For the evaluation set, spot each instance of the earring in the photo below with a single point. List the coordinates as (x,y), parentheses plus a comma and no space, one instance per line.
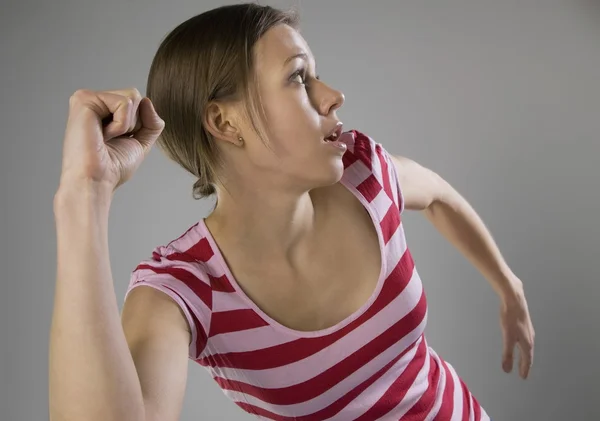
(240,140)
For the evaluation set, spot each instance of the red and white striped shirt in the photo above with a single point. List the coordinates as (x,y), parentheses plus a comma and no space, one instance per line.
(374,365)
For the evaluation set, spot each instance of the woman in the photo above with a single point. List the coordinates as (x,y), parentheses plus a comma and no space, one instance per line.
(297,293)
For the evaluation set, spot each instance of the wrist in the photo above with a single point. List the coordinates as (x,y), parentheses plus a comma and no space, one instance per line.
(76,197)
(511,290)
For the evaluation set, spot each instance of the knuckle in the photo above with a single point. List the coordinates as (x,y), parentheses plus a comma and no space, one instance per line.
(126,106)
(136,93)
(82,92)
(129,105)
(131,93)
(78,96)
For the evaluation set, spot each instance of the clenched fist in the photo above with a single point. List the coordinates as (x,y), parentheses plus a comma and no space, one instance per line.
(108,135)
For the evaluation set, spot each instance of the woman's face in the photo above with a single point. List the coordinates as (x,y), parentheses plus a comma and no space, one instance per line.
(300,113)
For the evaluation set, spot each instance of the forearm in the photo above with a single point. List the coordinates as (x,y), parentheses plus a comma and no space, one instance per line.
(92,374)
(458,222)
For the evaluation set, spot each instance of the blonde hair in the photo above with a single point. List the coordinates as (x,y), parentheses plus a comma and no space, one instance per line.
(208,58)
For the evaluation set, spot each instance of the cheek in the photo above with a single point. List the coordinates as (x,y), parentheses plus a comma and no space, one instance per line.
(291,116)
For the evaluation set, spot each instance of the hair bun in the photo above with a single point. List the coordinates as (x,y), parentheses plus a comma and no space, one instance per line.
(203,189)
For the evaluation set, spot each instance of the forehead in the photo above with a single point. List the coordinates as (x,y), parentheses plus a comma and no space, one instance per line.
(277,44)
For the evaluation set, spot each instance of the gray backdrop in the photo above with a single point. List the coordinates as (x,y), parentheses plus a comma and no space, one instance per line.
(500,97)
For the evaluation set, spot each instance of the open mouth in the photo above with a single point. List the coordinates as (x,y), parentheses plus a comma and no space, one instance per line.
(335,135)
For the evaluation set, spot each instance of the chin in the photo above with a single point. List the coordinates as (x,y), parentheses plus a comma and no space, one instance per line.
(319,172)
(332,173)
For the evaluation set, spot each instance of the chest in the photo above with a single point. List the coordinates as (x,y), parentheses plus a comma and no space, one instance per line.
(329,283)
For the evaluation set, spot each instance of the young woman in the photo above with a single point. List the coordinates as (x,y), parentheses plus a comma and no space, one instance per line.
(297,293)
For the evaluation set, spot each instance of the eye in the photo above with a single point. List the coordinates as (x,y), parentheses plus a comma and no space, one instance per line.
(299,76)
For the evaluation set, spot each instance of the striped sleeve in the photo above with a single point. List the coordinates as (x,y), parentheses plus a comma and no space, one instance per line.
(379,161)
(391,173)
(183,279)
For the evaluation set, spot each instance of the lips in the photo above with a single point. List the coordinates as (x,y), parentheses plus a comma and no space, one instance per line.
(335,133)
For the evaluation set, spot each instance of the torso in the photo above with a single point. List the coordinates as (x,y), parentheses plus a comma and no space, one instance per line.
(333,281)
(331,340)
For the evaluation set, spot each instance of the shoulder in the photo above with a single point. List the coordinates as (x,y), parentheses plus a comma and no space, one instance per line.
(370,168)
(361,145)
(367,151)
(363,149)
(185,257)
(182,270)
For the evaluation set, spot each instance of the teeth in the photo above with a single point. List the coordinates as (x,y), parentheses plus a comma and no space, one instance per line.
(332,137)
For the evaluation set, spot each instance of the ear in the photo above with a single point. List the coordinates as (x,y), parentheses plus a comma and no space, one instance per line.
(221,121)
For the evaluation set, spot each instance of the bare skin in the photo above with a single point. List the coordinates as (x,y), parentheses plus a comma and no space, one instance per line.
(101,367)
(323,280)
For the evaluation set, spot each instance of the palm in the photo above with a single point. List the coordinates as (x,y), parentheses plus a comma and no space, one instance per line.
(124,155)
(112,160)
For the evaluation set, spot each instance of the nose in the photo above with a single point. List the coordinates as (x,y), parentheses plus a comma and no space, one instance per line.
(332,100)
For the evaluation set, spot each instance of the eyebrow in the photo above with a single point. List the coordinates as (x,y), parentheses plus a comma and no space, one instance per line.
(295,56)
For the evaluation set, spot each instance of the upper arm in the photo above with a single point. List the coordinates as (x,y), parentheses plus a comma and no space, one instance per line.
(158,336)
(420,185)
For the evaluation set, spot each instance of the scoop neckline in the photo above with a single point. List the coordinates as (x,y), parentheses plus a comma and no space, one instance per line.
(312,333)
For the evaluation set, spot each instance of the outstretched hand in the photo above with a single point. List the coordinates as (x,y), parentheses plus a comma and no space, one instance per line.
(517,331)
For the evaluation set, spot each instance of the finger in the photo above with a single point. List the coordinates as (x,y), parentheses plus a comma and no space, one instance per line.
(135,121)
(136,97)
(152,124)
(116,112)
(526,360)
(128,92)
(507,354)
(85,108)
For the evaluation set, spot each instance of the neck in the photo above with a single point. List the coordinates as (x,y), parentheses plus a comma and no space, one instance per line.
(263,222)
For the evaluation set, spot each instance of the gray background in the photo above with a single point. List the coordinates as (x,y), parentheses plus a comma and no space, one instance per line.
(500,97)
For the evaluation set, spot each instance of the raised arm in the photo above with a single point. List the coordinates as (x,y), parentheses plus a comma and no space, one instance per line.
(101,367)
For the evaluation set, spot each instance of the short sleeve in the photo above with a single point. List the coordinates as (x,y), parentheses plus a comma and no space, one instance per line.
(373,160)
(390,171)
(183,279)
